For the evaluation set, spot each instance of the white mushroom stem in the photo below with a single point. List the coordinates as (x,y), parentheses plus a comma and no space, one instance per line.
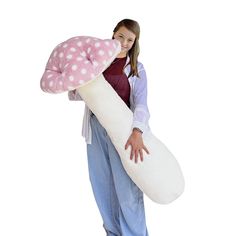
(159,175)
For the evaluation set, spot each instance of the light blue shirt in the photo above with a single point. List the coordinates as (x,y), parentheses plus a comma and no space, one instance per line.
(138,103)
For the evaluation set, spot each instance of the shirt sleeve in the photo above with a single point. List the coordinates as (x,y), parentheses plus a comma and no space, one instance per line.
(141,111)
(74,96)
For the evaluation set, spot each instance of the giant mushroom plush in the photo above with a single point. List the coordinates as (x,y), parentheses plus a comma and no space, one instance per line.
(78,63)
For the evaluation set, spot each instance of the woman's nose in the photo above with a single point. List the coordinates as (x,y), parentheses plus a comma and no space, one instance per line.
(124,43)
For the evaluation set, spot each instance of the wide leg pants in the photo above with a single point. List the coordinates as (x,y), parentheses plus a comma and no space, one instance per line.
(119,200)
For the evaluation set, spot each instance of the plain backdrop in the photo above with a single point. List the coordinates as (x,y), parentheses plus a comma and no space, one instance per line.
(188,50)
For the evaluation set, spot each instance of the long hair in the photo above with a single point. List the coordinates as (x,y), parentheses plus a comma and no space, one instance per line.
(133,53)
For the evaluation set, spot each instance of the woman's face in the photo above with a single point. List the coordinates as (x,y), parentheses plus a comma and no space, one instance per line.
(126,38)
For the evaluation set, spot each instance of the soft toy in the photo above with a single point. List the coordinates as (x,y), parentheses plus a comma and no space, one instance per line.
(79,63)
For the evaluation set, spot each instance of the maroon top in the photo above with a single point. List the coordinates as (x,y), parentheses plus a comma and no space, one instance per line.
(118,80)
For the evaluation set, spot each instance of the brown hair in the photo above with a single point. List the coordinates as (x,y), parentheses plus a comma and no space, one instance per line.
(133,26)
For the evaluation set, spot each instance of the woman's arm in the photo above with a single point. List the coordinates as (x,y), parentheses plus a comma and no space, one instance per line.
(140,118)
(141,111)
(73,95)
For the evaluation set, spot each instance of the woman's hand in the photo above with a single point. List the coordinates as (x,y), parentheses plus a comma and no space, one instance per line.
(137,146)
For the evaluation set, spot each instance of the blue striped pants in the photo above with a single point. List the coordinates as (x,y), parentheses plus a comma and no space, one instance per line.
(119,200)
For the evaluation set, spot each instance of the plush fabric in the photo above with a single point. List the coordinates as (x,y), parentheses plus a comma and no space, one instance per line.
(159,176)
(76,62)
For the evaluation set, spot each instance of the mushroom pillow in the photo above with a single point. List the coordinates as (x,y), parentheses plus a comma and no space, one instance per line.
(78,63)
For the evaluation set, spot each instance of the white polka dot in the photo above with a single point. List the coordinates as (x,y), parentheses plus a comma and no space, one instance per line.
(91,56)
(86,62)
(97,44)
(48,71)
(50,83)
(88,40)
(65,45)
(110,53)
(81,81)
(73,49)
(71,77)
(83,71)
(95,63)
(61,54)
(107,43)
(66,65)
(79,44)
(49,76)
(54,68)
(101,52)
(61,83)
(88,50)
(79,59)
(54,54)
(83,54)
(69,56)
(74,67)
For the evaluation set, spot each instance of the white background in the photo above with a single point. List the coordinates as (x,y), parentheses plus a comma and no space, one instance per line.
(188,50)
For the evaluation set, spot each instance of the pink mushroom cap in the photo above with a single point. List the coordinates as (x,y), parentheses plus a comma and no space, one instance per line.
(78,61)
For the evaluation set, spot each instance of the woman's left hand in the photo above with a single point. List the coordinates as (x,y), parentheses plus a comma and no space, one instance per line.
(137,146)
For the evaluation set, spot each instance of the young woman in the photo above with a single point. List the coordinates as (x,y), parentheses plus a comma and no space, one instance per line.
(119,200)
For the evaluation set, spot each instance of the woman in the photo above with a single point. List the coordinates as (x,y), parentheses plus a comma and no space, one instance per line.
(119,200)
